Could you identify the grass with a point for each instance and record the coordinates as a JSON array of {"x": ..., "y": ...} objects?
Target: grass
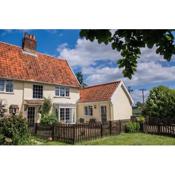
[
  {"x": 38, "y": 141},
  {"x": 132, "y": 139},
  {"x": 122, "y": 139}
]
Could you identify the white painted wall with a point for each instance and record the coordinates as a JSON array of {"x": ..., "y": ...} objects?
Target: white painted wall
[{"x": 121, "y": 105}]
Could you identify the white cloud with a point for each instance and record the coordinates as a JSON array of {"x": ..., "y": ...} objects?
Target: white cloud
[{"x": 87, "y": 55}]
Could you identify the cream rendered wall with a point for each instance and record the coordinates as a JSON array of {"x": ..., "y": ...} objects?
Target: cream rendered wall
[
  {"x": 122, "y": 107},
  {"x": 96, "y": 111},
  {"x": 49, "y": 92},
  {"x": 24, "y": 91},
  {"x": 16, "y": 97}
]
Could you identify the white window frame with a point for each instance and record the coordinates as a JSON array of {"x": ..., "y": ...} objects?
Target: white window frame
[
  {"x": 89, "y": 110},
  {"x": 5, "y": 86},
  {"x": 64, "y": 115},
  {"x": 61, "y": 91},
  {"x": 42, "y": 91}
]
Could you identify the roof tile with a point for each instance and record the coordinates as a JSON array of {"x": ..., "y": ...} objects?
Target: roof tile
[
  {"x": 15, "y": 64},
  {"x": 101, "y": 92}
]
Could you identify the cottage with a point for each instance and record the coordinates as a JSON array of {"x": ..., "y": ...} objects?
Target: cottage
[
  {"x": 27, "y": 76},
  {"x": 103, "y": 102}
]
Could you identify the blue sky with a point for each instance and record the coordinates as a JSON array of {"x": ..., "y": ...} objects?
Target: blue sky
[{"x": 98, "y": 62}]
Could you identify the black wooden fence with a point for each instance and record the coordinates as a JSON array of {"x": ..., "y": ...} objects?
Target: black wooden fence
[{"x": 72, "y": 133}]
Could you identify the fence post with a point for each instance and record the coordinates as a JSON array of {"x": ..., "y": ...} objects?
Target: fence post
[
  {"x": 120, "y": 126},
  {"x": 36, "y": 128},
  {"x": 73, "y": 140},
  {"x": 110, "y": 127},
  {"x": 101, "y": 127},
  {"x": 53, "y": 136},
  {"x": 158, "y": 129}
]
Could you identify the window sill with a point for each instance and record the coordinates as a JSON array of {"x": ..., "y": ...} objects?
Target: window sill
[
  {"x": 10, "y": 93},
  {"x": 61, "y": 97}
]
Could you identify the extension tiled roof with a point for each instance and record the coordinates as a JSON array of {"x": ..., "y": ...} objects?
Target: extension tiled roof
[
  {"x": 15, "y": 64},
  {"x": 100, "y": 92}
]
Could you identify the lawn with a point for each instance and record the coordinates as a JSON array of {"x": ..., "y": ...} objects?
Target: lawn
[
  {"x": 38, "y": 141},
  {"x": 122, "y": 139},
  {"x": 133, "y": 139}
]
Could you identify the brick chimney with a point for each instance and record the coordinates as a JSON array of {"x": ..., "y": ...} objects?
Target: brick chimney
[{"x": 29, "y": 43}]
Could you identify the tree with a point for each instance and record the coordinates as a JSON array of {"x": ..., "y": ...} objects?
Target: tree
[
  {"x": 160, "y": 103},
  {"x": 80, "y": 78},
  {"x": 46, "y": 107},
  {"x": 130, "y": 42}
]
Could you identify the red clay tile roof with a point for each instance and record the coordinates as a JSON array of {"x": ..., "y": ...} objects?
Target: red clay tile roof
[
  {"x": 15, "y": 64},
  {"x": 101, "y": 92}
]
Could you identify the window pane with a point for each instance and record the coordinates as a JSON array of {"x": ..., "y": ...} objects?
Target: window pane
[
  {"x": 2, "y": 84},
  {"x": 90, "y": 110},
  {"x": 62, "y": 91},
  {"x": 67, "y": 92},
  {"x": 57, "y": 91},
  {"x": 85, "y": 110},
  {"x": 37, "y": 91},
  {"x": 67, "y": 114},
  {"x": 62, "y": 114},
  {"x": 9, "y": 86}
]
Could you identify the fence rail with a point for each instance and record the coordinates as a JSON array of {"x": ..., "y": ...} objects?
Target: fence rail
[
  {"x": 159, "y": 129},
  {"x": 72, "y": 133}
]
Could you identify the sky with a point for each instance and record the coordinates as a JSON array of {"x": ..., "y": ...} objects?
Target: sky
[{"x": 98, "y": 62}]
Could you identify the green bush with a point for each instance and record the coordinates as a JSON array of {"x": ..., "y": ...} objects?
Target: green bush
[
  {"x": 46, "y": 107},
  {"x": 14, "y": 131},
  {"x": 132, "y": 127},
  {"x": 160, "y": 103},
  {"x": 48, "y": 119},
  {"x": 140, "y": 119}
]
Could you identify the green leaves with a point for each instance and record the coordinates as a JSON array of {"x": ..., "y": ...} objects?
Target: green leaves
[
  {"x": 160, "y": 103},
  {"x": 129, "y": 43}
]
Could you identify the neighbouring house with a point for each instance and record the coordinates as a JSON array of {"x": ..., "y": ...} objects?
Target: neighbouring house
[
  {"x": 27, "y": 76},
  {"x": 103, "y": 102}
]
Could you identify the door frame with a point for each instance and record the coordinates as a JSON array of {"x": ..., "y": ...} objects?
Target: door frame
[
  {"x": 101, "y": 113},
  {"x": 34, "y": 115}
]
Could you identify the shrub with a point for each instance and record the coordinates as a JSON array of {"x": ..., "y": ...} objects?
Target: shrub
[
  {"x": 48, "y": 119},
  {"x": 140, "y": 119},
  {"x": 92, "y": 121},
  {"x": 160, "y": 103},
  {"x": 14, "y": 130},
  {"x": 46, "y": 107},
  {"x": 132, "y": 127}
]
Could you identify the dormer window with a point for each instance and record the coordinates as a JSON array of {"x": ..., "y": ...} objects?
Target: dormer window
[
  {"x": 6, "y": 85},
  {"x": 61, "y": 91}
]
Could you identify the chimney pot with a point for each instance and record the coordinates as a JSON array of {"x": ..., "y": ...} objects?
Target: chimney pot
[{"x": 29, "y": 43}]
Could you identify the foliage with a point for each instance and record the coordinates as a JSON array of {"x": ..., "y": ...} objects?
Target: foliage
[
  {"x": 46, "y": 107},
  {"x": 2, "y": 110},
  {"x": 48, "y": 119},
  {"x": 140, "y": 119},
  {"x": 160, "y": 103},
  {"x": 14, "y": 130},
  {"x": 80, "y": 78},
  {"x": 130, "y": 42},
  {"x": 132, "y": 127},
  {"x": 92, "y": 121}
]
